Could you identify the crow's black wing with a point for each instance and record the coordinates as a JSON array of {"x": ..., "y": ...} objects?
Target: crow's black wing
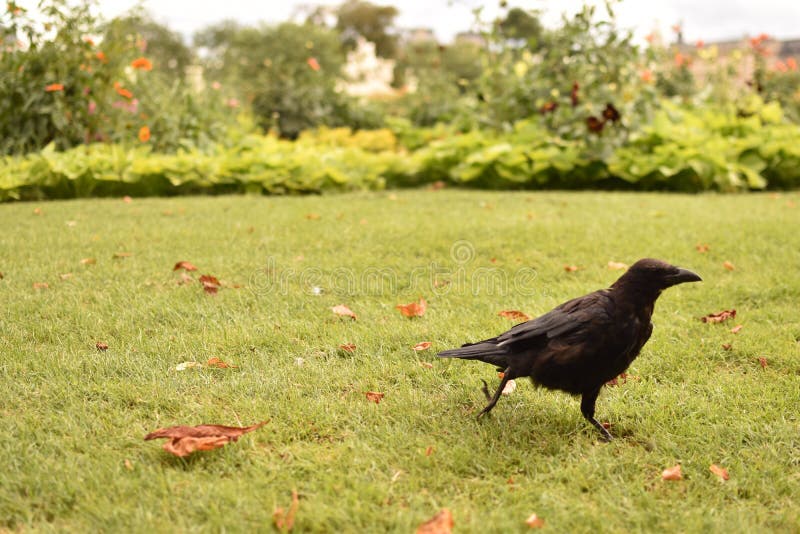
[
  {"x": 567, "y": 319},
  {"x": 592, "y": 309}
]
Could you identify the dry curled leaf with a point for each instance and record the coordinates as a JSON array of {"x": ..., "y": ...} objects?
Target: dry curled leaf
[
  {"x": 672, "y": 473},
  {"x": 617, "y": 266},
  {"x": 374, "y": 396},
  {"x": 88, "y": 261},
  {"x": 441, "y": 523},
  {"x": 285, "y": 520},
  {"x": 102, "y": 347},
  {"x": 312, "y": 216},
  {"x": 41, "y": 285},
  {"x": 736, "y": 329},
  {"x": 2, "y": 276},
  {"x": 702, "y": 248},
  {"x": 414, "y": 309},
  {"x": 426, "y": 365},
  {"x": 219, "y": 364},
  {"x": 516, "y": 315},
  {"x": 571, "y": 268},
  {"x": 122, "y": 255},
  {"x": 429, "y": 450},
  {"x": 185, "y": 265},
  {"x": 422, "y": 345},
  {"x": 210, "y": 284},
  {"x": 721, "y": 472},
  {"x": 63, "y": 276},
  {"x": 762, "y": 361},
  {"x": 729, "y": 266},
  {"x": 719, "y": 316},
  {"x": 727, "y": 346},
  {"x": 183, "y": 440},
  {"x": 509, "y": 388},
  {"x": 621, "y": 379},
  {"x": 348, "y": 347},
  {"x": 534, "y": 521},
  {"x": 344, "y": 311}
]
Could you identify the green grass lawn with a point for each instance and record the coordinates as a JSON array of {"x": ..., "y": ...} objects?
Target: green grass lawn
[{"x": 72, "y": 455}]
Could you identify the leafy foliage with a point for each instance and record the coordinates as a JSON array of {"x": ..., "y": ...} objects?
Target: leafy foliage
[{"x": 681, "y": 150}]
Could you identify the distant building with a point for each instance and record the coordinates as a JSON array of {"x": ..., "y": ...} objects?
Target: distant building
[
  {"x": 418, "y": 35},
  {"x": 470, "y": 37},
  {"x": 366, "y": 74}
]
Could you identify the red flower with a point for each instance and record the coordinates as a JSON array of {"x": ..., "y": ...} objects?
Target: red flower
[
  {"x": 54, "y": 87},
  {"x": 142, "y": 63},
  {"x": 549, "y": 107},
  {"x": 101, "y": 56},
  {"x": 594, "y": 124},
  {"x": 313, "y": 63}
]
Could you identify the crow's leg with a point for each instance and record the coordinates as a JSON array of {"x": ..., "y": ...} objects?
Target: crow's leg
[
  {"x": 493, "y": 400},
  {"x": 587, "y": 409}
]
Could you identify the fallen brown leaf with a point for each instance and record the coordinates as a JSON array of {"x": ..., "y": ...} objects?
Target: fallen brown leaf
[
  {"x": 126, "y": 199},
  {"x": 41, "y": 285},
  {"x": 183, "y": 440},
  {"x": 727, "y": 346},
  {"x": 721, "y": 472},
  {"x": 515, "y": 315},
  {"x": 429, "y": 450},
  {"x": 422, "y": 345},
  {"x": 285, "y": 520},
  {"x": 102, "y": 347},
  {"x": 128, "y": 465},
  {"x": 571, "y": 268},
  {"x": 440, "y": 283},
  {"x": 702, "y": 248},
  {"x": 210, "y": 284},
  {"x": 88, "y": 261},
  {"x": 37, "y": 211},
  {"x": 426, "y": 365},
  {"x": 762, "y": 361},
  {"x": 534, "y": 521},
  {"x": 184, "y": 265},
  {"x": 219, "y": 364},
  {"x": 617, "y": 266},
  {"x": 374, "y": 396},
  {"x": 736, "y": 329},
  {"x": 64, "y": 276},
  {"x": 672, "y": 473},
  {"x": 441, "y": 523},
  {"x": 414, "y": 309},
  {"x": 122, "y": 255},
  {"x": 312, "y": 216},
  {"x": 343, "y": 310},
  {"x": 621, "y": 379},
  {"x": 728, "y": 265},
  {"x": 185, "y": 279},
  {"x": 348, "y": 347},
  {"x": 719, "y": 316},
  {"x": 2, "y": 276}
]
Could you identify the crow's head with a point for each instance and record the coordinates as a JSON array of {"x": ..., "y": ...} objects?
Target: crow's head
[{"x": 656, "y": 275}]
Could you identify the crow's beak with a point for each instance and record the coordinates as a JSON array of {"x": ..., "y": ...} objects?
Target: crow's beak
[{"x": 682, "y": 276}]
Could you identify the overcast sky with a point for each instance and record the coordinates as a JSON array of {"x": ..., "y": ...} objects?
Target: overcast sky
[{"x": 702, "y": 19}]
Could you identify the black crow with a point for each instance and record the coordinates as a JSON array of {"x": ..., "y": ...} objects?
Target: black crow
[{"x": 583, "y": 343}]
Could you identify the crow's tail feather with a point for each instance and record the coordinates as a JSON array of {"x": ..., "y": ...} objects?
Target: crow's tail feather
[{"x": 474, "y": 351}]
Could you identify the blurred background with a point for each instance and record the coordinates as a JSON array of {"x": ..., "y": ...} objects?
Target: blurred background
[{"x": 667, "y": 95}]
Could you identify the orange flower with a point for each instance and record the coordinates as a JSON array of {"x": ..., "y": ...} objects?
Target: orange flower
[
  {"x": 54, "y": 87},
  {"x": 791, "y": 63},
  {"x": 781, "y": 66},
  {"x": 650, "y": 37},
  {"x": 121, "y": 91},
  {"x": 313, "y": 63},
  {"x": 700, "y": 43},
  {"x": 101, "y": 56},
  {"x": 142, "y": 63},
  {"x": 681, "y": 60},
  {"x": 646, "y": 75},
  {"x": 144, "y": 134}
]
